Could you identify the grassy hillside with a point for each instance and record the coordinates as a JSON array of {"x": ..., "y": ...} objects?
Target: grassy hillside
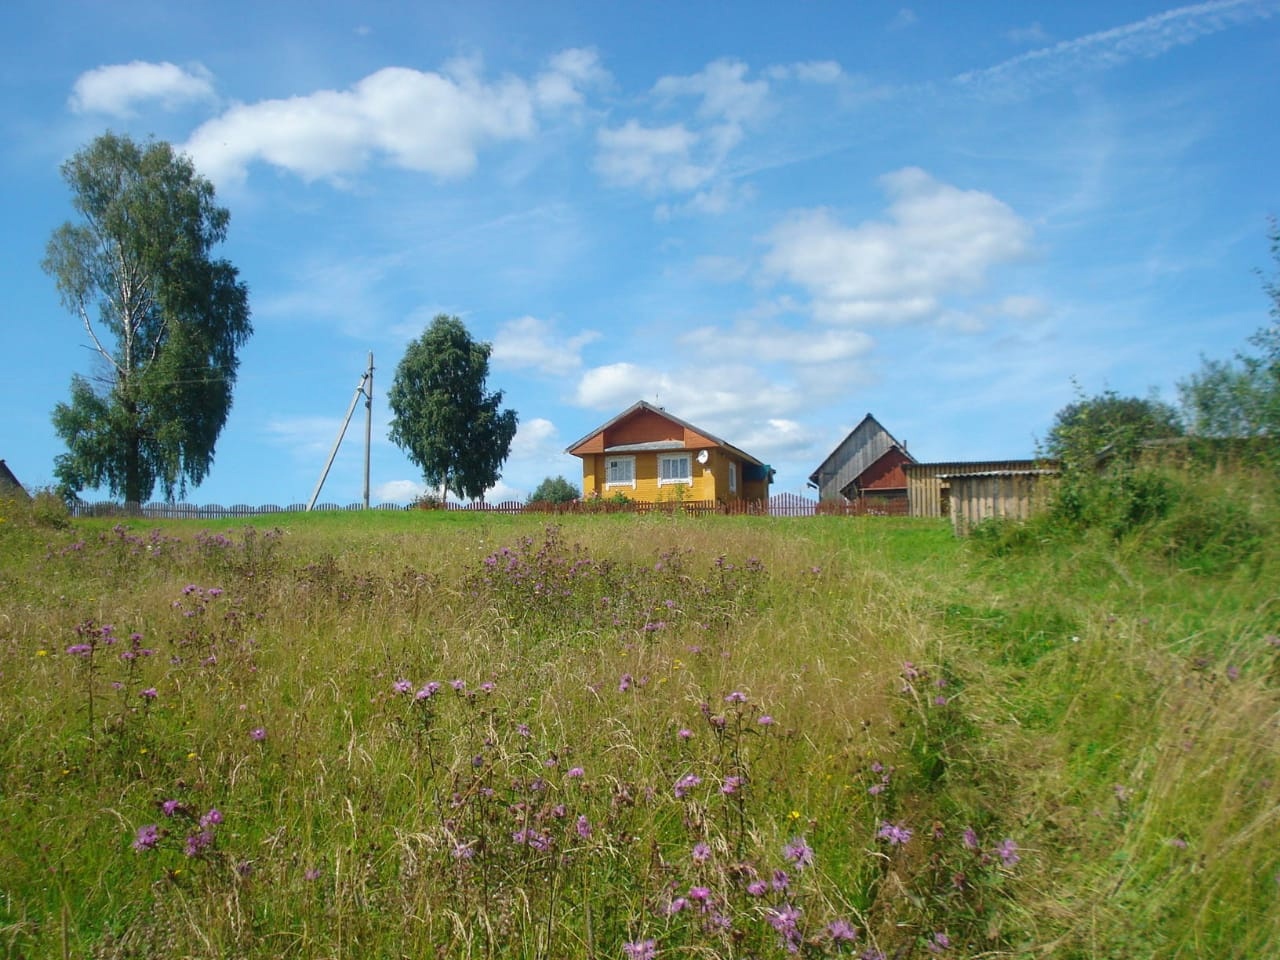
[{"x": 434, "y": 734}]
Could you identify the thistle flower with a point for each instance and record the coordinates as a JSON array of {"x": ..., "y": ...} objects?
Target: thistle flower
[
  {"x": 685, "y": 784},
  {"x": 146, "y": 838},
  {"x": 841, "y": 931},
  {"x": 640, "y": 950},
  {"x": 701, "y": 853},
  {"x": 798, "y": 852},
  {"x": 1007, "y": 851},
  {"x": 895, "y": 833},
  {"x": 401, "y": 686},
  {"x": 258, "y": 734}
]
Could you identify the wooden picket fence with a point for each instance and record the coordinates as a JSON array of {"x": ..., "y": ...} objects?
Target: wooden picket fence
[{"x": 779, "y": 505}]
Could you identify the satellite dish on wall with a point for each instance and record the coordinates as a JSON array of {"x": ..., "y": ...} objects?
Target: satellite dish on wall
[{"x": 702, "y": 456}]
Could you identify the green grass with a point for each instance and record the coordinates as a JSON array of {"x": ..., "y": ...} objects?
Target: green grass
[{"x": 1098, "y": 711}]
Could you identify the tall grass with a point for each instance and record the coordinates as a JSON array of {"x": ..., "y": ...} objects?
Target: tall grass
[{"x": 406, "y": 735}]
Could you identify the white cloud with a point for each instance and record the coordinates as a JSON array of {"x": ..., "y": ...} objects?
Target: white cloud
[
  {"x": 117, "y": 89},
  {"x": 684, "y": 157},
  {"x": 530, "y": 343},
  {"x": 937, "y": 240},
  {"x": 305, "y": 436},
  {"x": 398, "y": 491},
  {"x": 655, "y": 158},
  {"x": 905, "y": 17},
  {"x": 809, "y": 71},
  {"x": 1021, "y": 307},
  {"x": 570, "y": 73},
  {"x": 726, "y": 95},
  {"x": 535, "y": 439},
  {"x": 423, "y": 121},
  {"x": 1034, "y": 33},
  {"x": 1142, "y": 39},
  {"x": 761, "y": 344}
]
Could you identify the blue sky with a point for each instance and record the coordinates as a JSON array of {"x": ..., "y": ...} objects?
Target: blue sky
[{"x": 769, "y": 218}]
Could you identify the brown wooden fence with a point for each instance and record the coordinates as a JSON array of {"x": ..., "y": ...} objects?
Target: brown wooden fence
[{"x": 779, "y": 505}]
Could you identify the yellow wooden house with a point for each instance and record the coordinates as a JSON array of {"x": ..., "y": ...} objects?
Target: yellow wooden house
[{"x": 648, "y": 455}]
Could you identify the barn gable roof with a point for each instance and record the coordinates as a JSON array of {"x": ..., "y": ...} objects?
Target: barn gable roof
[
  {"x": 856, "y": 453},
  {"x": 9, "y": 482}
]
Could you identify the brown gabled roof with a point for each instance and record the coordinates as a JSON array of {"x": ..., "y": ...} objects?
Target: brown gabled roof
[{"x": 642, "y": 405}]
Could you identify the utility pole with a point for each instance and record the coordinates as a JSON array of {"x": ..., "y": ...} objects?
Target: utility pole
[
  {"x": 365, "y": 389},
  {"x": 368, "y": 426}
]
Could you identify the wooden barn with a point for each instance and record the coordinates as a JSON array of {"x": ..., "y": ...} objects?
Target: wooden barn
[
  {"x": 10, "y": 488},
  {"x": 868, "y": 464},
  {"x": 935, "y": 489},
  {"x": 648, "y": 455}
]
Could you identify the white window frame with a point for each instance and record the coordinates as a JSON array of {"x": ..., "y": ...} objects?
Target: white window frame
[
  {"x": 733, "y": 477},
  {"x": 631, "y": 469},
  {"x": 685, "y": 458}
]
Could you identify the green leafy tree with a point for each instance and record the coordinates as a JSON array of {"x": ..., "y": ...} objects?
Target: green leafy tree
[
  {"x": 1108, "y": 422},
  {"x": 1241, "y": 397},
  {"x": 165, "y": 319},
  {"x": 554, "y": 490},
  {"x": 444, "y": 420}
]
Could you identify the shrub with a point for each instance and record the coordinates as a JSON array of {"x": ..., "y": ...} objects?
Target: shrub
[{"x": 554, "y": 490}]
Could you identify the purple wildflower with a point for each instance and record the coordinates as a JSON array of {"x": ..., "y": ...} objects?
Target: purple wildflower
[
  {"x": 798, "y": 852},
  {"x": 640, "y": 950},
  {"x": 80, "y": 649},
  {"x": 676, "y": 905},
  {"x": 146, "y": 838},
  {"x": 780, "y": 880},
  {"x": 842, "y": 931},
  {"x": 197, "y": 843},
  {"x": 970, "y": 838},
  {"x": 583, "y": 827},
  {"x": 170, "y": 807},
  {"x": 575, "y": 773},
  {"x": 737, "y": 696},
  {"x": 757, "y": 888},
  {"x": 402, "y": 686},
  {"x": 258, "y": 733},
  {"x": 685, "y": 784},
  {"x": 459, "y": 685},
  {"x": 731, "y": 785},
  {"x": 895, "y": 833},
  {"x": 700, "y": 894},
  {"x": 684, "y": 733},
  {"x": 786, "y": 921},
  {"x": 938, "y": 942},
  {"x": 212, "y": 818},
  {"x": 1007, "y": 851},
  {"x": 765, "y": 721},
  {"x": 312, "y": 874},
  {"x": 624, "y": 683},
  {"x": 701, "y": 853}
]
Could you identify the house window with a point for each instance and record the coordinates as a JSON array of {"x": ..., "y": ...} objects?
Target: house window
[
  {"x": 675, "y": 468},
  {"x": 620, "y": 472},
  {"x": 733, "y": 478}
]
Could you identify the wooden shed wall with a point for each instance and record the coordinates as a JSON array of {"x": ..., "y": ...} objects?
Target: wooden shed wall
[
  {"x": 1012, "y": 495},
  {"x": 928, "y": 493}
]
